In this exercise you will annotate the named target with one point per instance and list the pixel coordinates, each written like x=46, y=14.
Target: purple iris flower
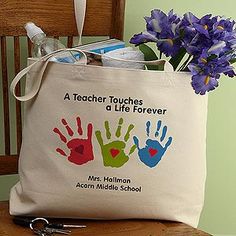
x=195, y=33
x=207, y=72
x=202, y=81
x=212, y=47
x=169, y=43
x=223, y=25
x=160, y=21
x=187, y=26
x=210, y=42
x=162, y=29
x=203, y=25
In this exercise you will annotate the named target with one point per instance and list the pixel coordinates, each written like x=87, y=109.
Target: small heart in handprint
x=113, y=152
x=81, y=150
x=152, y=152
x=154, y=149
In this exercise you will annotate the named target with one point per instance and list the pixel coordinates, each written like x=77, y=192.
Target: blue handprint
x=152, y=153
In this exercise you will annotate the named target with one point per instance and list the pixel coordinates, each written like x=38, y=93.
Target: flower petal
x=143, y=37
x=217, y=48
x=203, y=83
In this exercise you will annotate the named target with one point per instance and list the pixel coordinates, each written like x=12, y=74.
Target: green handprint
x=113, y=152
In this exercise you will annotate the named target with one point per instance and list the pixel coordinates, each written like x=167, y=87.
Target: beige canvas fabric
x=110, y=143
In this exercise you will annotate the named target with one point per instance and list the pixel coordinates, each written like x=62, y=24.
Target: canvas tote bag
x=110, y=143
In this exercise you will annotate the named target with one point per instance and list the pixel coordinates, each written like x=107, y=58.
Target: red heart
x=80, y=149
x=152, y=152
x=114, y=152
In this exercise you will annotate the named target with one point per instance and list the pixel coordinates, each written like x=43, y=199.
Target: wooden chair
x=103, y=18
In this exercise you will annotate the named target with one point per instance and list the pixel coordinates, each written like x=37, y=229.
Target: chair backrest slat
x=117, y=19
x=18, y=92
x=5, y=95
x=29, y=46
x=69, y=41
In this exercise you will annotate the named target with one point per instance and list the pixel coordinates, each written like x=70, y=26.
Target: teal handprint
x=152, y=153
x=113, y=152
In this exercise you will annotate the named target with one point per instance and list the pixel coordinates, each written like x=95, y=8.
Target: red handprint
x=81, y=150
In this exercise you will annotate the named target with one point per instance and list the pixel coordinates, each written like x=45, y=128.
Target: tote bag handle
x=36, y=86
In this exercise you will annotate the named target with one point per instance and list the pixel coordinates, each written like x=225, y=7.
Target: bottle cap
x=32, y=30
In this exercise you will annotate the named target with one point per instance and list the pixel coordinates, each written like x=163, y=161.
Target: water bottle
x=43, y=45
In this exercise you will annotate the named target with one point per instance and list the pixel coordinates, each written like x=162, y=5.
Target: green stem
x=185, y=63
x=174, y=61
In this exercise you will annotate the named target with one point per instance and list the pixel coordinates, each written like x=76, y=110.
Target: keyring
x=37, y=220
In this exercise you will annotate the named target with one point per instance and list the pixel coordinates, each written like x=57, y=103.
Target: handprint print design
x=81, y=150
x=113, y=152
x=154, y=150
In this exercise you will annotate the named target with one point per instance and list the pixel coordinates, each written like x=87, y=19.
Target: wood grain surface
x=103, y=17
x=104, y=228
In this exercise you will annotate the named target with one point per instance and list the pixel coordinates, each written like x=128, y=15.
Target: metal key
x=62, y=226
x=41, y=232
x=50, y=231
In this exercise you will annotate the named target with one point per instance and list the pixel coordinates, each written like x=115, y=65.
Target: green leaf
x=232, y=61
x=211, y=57
x=149, y=55
x=174, y=61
